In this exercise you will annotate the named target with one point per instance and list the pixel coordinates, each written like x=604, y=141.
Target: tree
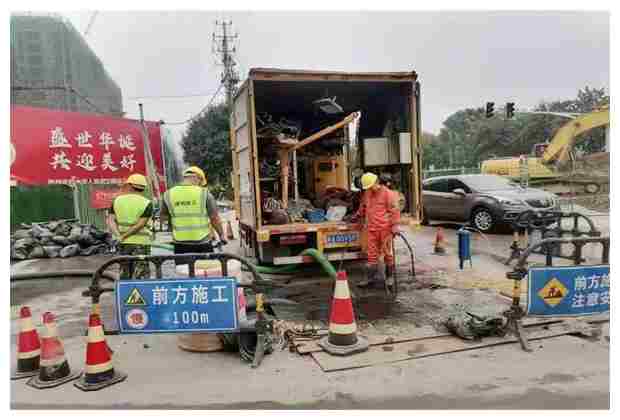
x=468, y=137
x=432, y=150
x=206, y=144
x=587, y=100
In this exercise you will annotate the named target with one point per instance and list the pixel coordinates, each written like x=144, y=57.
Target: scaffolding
x=52, y=66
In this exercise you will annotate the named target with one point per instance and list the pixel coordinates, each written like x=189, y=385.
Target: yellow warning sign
x=553, y=292
x=135, y=298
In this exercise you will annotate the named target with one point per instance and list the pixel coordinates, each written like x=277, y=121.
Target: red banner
x=57, y=147
x=102, y=199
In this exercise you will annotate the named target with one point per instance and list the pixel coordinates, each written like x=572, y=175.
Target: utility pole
x=224, y=47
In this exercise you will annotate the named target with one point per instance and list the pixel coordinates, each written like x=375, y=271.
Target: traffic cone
x=229, y=231
x=439, y=242
x=28, y=347
x=96, y=309
x=55, y=368
x=99, y=371
x=342, y=338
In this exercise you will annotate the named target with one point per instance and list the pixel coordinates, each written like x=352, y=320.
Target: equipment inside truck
x=301, y=139
x=322, y=172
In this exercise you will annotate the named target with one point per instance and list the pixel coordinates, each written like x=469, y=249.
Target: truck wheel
x=482, y=219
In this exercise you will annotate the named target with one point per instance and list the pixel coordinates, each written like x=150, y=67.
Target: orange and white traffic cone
x=342, y=338
x=439, y=242
x=99, y=371
x=28, y=347
x=96, y=309
x=55, y=368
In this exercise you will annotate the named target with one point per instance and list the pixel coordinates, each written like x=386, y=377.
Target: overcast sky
x=463, y=59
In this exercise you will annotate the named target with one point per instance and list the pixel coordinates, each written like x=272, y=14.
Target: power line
x=97, y=109
x=197, y=95
x=201, y=111
x=64, y=88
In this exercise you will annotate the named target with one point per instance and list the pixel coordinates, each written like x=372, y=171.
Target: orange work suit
x=380, y=214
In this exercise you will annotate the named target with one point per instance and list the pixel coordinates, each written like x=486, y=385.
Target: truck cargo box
x=275, y=107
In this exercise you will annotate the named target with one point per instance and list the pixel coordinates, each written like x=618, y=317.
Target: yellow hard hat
x=195, y=170
x=368, y=180
x=137, y=180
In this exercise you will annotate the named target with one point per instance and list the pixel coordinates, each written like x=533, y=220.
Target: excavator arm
x=564, y=138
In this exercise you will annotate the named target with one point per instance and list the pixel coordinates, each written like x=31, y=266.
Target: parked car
x=486, y=201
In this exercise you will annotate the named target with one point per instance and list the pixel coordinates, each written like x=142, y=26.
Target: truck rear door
x=416, y=155
x=243, y=159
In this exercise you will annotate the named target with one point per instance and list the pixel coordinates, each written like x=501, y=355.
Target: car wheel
x=482, y=219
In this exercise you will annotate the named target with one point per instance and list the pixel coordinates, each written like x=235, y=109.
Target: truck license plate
x=341, y=239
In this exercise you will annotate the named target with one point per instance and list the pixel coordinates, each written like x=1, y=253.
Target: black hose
x=66, y=273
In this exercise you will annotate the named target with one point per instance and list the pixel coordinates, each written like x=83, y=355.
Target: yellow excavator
x=553, y=165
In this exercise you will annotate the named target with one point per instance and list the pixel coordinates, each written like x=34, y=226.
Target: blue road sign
x=177, y=305
x=568, y=291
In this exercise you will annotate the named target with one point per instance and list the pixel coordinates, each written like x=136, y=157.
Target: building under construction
x=52, y=66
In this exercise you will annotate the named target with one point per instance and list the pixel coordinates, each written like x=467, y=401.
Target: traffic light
x=510, y=110
x=490, y=110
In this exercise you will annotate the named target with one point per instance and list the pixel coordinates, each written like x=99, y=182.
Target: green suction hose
x=322, y=260
x=282, y=269
x=286, y=269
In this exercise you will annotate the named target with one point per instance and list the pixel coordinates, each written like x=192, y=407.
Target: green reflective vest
x=128, y=209
x=187, y=205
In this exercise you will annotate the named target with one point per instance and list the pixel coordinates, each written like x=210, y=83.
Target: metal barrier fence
x=96, y=290
x=520, y=271
x=548, y=225
x=262, y=327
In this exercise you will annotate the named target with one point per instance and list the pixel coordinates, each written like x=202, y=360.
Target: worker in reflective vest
x=380, y=216
x=130, y=220
x=193, y=214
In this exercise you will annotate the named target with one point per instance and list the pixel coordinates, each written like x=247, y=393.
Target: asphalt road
x=564, y=372
x=555, y=376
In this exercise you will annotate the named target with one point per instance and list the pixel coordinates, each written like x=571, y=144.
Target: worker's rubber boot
x=389, y=275
x=371, y=274
x=379, y=280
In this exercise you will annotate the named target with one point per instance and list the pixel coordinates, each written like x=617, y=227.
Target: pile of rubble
x=59, y=239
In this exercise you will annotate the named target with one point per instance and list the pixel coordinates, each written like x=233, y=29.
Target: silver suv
x=486, y=201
